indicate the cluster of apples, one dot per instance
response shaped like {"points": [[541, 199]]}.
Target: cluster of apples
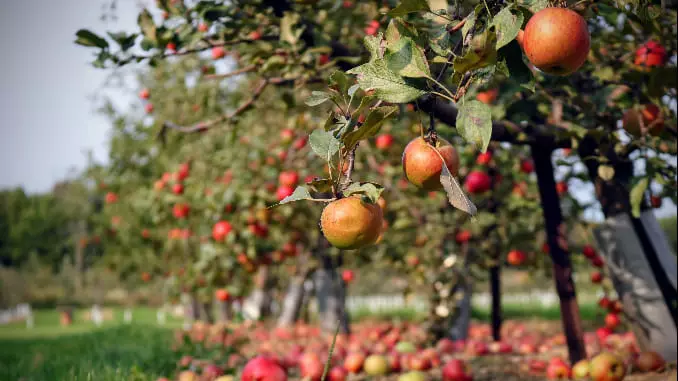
{"points": [[380, 349]]}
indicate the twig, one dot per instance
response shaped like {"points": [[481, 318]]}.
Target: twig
{"points": [[203, 126], [243, 70]]}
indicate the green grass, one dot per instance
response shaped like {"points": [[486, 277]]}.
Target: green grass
{"points": [[132, 352]]}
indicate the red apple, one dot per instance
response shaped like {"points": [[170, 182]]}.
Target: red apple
{"points": [[596, 277], [347, 276], [144, 94], [337, 374], [263, 369], [526, 166], [612, 321], [651, 54], [477, 182], [649, 362], [177, 189], [218, 52], [288, 178], [283, 192], [589, 251], [384, 141], [456, 370], [484, 158], [222, 295], [220, 230], [181, 210]]}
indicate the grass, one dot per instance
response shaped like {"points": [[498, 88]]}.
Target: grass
{"points": [[134, 352]]}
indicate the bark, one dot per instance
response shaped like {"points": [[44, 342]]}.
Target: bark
{"points": [[562, 267], [292, 303], [638, 257], [495, 292], [191, 309], [260, 300], [331, 295], [224, 311]]}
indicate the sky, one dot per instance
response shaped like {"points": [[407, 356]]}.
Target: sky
{"points": [[47, 122]]}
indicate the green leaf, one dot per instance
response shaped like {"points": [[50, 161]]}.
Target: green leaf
{"points": [[287, 31], [321, 185], [407, 59], [606, 172], [470, 22], [147, 26], [482, 52], [456, 195], [317, 98], [373, 45], [535, 5], [474, 123], [123, 39], [300, 193], [340, 81], [324, 144], [397, 29], [518, 70], [370, 127], [409, 6], [508, 25], [387, 85], [88, 38], [371, 190], [637, 195]]}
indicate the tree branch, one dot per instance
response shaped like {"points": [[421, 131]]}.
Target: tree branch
{"points": [[243, 70]]}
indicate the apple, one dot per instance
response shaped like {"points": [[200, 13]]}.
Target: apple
{"points": [[558, 371], [526, 166], [604, 302], [488, 96], [607, 367], [211, 371], [171, 47], [263, 369], [288, 178], [445, 346], [354, 361], [463, 236], [484, 158], [516, 257], [413, 376], [187, 375], [589, 251], [222, 295], [218, 52], [649, 362], [348, 276], [376, 365], [596, 277], [477, 182], [423, 164], [556, 40], [651, 117], [144, 94], [383, 142], [612, 321], [561, 187], [149, 108], [372, 28], [181, 210], [287, 135], [337, 374], [111, 198], [656, 201], [597, 262], [651, 54], [183, 172], [580, 370], [300, 143], [456, 370], [284, 191], [177, 189], [311, 367]]}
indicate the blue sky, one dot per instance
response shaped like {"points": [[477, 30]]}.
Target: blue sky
{"points": [[47, 122]]}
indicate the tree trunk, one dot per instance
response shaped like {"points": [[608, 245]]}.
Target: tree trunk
{"points": [[206, 312], [294, 298], [495, 292], [641, 265], [331, 296], [562, 267], [81, 233], [224, 311], [191, 309], [260, 300]]}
